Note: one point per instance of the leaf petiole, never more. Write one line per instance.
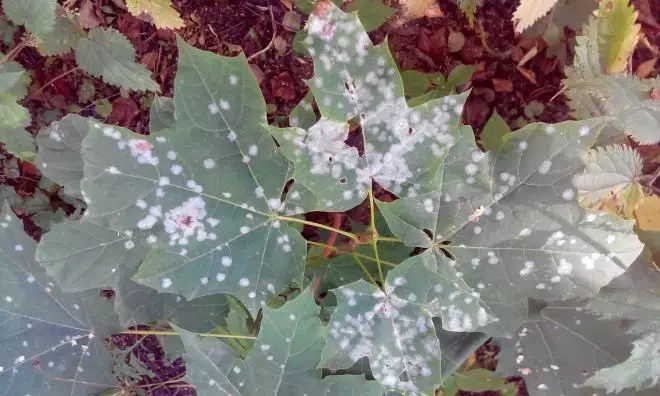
(311, 223)
(174, 333)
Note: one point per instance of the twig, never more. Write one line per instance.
(272, 40)
(55, 79)
(14, 51)
(337, 219)
(482, 37)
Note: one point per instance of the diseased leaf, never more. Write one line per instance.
(640, 371)
(511, 225)
(611, 174)
(161, 116)
(561, 345)
(282, 362)
(206, 192)
(303, 116)
(392, 327)
(529, 11)
(59, 155)
(617, 34)
(63, 37)
(61, 334)
(38, 16)
(106, 53)
(647, 213)
(404, 147)
(159, 12)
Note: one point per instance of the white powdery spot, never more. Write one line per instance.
(545, 167)
(244, 282)
(113, 170)
(220, 277)
(253, 150)
(18, 248)
(176, 169)
(568, 194)
(147, 222)
(129, 245)
(244, 229)
(166, 283)
(224, 105)
(347, 195)
(428, 205)
(471, 169)
(213, 108)
(186, 220)
(233, 80)
(171, 155)
(209, 163)
(525, 232)
(226, 261)
(522, 145)
(610, 239)
(231, 136)
(565, 267)
(584, 131)
(164, 181)
(141, 151)
(528, 269)
(204, 280)
(588, 262)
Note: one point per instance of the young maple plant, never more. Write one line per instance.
(196, 228)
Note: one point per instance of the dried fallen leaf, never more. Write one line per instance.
(88, 18)
(420, 8)
(500, 85)
(159, 12)
(455, 41)
(646, 68)
(647, 213)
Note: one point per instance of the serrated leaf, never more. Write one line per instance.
(611, 174)
(403, 148)
(12, 115)
(625, 99)
(372, 13)
(38, 16)
(562, 344)
(511, 225)
(392, 327)
(160, 12)
(617, 34)
(469, 8)
(206, 192)
(62, 38)
(61, 333)
(529, 11)
(59, 155)
(282, 361)
(641, 370)
(494, 132)
(106, 53)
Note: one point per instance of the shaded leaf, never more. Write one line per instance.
(106, 53)
(372, 13)
(494, 132)
(62, 333)
(303, 116)
(63, 37)
(161, 115)
(59, 155)
(38, 16)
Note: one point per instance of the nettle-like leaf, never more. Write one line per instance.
(159, 12)
(611, 174)
(392, 327)
(469, 8)
(106, 53)
(206, 192)
(62, 38)
(617, 34)
(561, 345)
(529, 11)
(14, 117)
(53, 342)
(404, 147)
(282, 362)
(38, 16)
(58, 156)
(508, 222)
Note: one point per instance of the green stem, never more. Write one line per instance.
(388, 239)
(174, 333)
(311, 223)
(374, 240)
(365, 270)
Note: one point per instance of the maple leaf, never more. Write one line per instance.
(529, 11)
(159, 12)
